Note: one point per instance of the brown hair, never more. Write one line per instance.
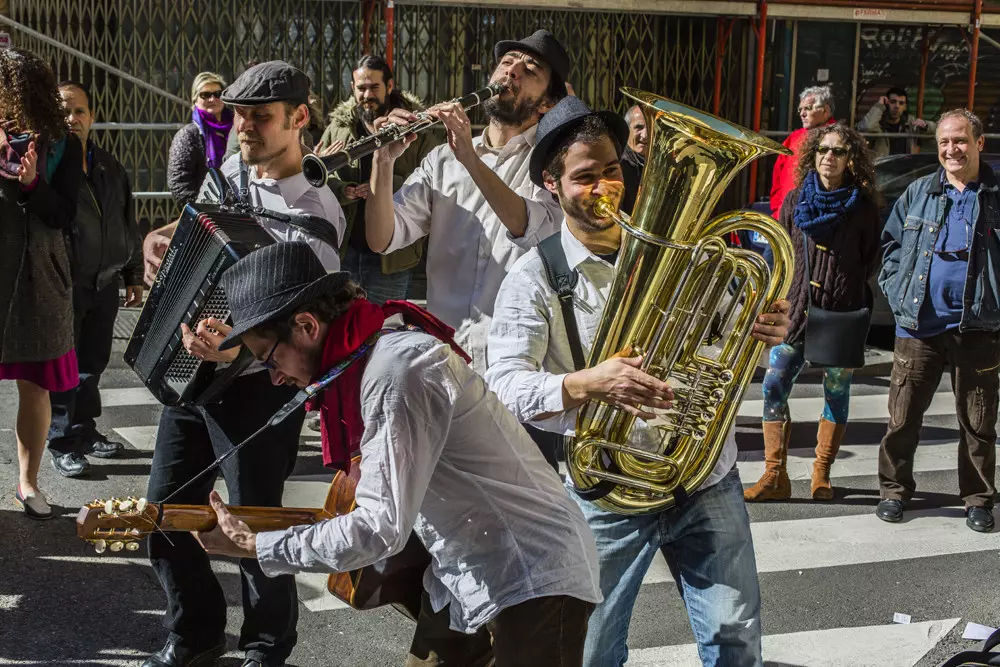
(29, 97)
(326, 307)
(860, 164)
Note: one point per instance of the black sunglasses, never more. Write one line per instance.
(838, 151)
(209, 94)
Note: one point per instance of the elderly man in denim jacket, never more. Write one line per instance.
(940, 273)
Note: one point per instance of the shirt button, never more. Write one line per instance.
(932, 229)
(915, 299)
(927, 253)
(920, 278)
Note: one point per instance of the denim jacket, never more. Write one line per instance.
(910, 236)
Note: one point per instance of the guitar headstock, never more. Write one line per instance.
(116, 523)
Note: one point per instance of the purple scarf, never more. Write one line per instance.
(215, 133)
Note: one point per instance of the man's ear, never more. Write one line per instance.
(300, 118)
(550, 183)
(309, 324)
(389, 87)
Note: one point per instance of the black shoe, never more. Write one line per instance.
(890, 510)
(71, 465)
(979, 519)
(253, 662)
(103, 448)
(173, 654)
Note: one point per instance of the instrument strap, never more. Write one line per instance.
(563, 280)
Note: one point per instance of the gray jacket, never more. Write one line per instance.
(872, 122)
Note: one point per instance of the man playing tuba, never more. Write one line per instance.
(706, 539)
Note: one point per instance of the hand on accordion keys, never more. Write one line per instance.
(203, 343)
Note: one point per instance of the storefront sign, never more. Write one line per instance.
(869, 14)
(4, 40)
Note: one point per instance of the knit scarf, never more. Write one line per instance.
(341, 424)
(215, 133)
(14, 145)
(819, 211)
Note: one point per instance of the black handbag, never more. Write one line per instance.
(835, 339)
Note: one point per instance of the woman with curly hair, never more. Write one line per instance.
(834, 208)
(40, 172)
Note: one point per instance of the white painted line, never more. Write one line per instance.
(853, 460)
(313, 593)
(872, 646)
(867, 406)
(111, 398)
(140, 437)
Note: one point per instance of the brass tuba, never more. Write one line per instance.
(676, 283)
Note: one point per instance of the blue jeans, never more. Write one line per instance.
(708, 546)
(366, 270)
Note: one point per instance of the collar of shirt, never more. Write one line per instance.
(576, 252)
(291, 187)
(483, 147)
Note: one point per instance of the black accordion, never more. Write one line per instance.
(208, 240)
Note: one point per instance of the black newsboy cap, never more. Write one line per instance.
(273, 81)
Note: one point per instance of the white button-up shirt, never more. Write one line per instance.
(292, 195)
(470, 250)
(529, 352)
(441, 456)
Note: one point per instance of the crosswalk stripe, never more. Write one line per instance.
(895, 645)
(144, 437)
(866, 406)
(112, 398)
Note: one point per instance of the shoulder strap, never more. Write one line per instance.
(805, 257)
(563, 280)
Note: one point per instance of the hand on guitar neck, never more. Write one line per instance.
(230, 536)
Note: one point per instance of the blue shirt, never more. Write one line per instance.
(942, 308)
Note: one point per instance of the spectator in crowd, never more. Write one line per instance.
(201, 144)
(888, 115)
(634, 157)
(815, 110)
(833, 211)
(39, 183)
(941, 275)
(383, 277)
(104, 250)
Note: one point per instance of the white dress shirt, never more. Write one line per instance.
(529, 352)
(441, 456)
(470, 250)
(291, 195)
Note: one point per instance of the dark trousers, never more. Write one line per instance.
(189, 439)
(973, 359)
(74, 412)
(541, 631)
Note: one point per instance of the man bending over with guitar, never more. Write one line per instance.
(440, 456)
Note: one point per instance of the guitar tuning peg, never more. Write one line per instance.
(125, 506)
(131, 546)
(100, 546)
(109, 506)
(117, 546)
(141, 505)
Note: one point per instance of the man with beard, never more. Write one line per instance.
(473, 197)
(270, 104)
(537, 346)
(383, 277)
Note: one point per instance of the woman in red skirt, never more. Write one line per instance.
(40, 175)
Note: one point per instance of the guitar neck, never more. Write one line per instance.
(259, 519)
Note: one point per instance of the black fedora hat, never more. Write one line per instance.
(543, 44)
(271, 283)
(560, 121)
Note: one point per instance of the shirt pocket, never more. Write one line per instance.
(912, 228)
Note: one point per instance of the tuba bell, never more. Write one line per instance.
(676, 287)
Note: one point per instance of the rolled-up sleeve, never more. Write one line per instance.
(407, 412)
(544, 217)
(518, 343)
(413, 203)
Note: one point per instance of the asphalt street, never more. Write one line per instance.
(832, 576)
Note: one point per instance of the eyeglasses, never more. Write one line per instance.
(269, 363)
(838, 151)
(209, 94)
(814, 107)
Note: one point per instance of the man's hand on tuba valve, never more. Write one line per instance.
(772, 327)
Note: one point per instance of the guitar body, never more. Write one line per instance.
(397, 580)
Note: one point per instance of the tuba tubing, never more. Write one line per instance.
(684, 301)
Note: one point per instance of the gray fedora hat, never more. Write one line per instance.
(271, 283)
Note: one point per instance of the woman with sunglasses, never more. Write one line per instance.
(201, 144)
(834, 209)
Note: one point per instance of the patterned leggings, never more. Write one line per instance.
(786, 362)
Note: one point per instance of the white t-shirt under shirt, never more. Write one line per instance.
(292, 195)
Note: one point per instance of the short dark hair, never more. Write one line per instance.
(590, 131)
(897, 91)
(69, 83)
(326, 307)
(376, 63)
(557, 87)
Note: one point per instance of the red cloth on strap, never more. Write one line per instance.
(339, 404)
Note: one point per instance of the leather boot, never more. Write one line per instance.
(774, 484)
(828, 439)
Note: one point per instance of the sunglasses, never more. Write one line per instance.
(209, 94)
(838, 151)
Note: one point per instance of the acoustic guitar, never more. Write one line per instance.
(121, 523)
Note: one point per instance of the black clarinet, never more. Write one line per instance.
(318, 170)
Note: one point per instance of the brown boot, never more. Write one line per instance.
(828, 440)
(774, 484)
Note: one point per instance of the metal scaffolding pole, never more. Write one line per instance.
(758, 87)
(977, 18)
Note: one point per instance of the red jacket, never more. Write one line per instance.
(783, 177)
